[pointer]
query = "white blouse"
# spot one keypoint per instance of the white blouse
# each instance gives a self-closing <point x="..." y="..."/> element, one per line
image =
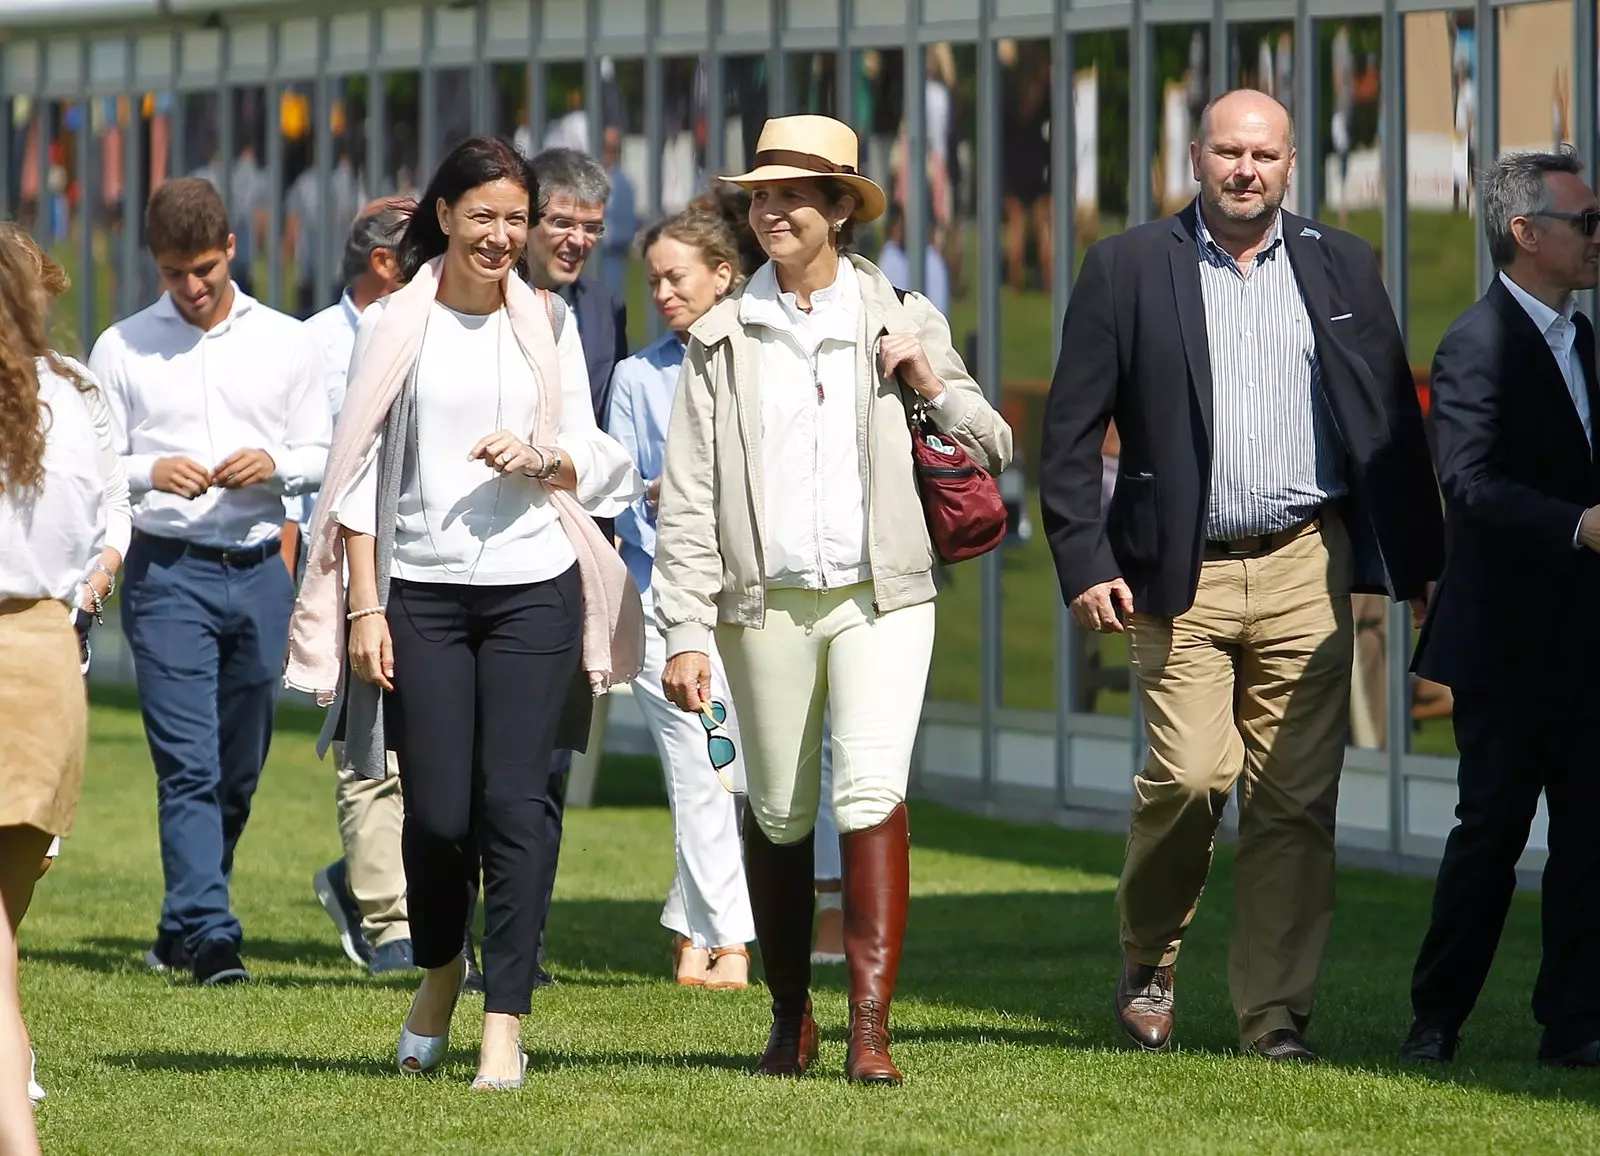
<point x="119" y="511"/>
<point x="48" y="540"/>
<point x="813" y="486"/>
<point x="458" y="520"/>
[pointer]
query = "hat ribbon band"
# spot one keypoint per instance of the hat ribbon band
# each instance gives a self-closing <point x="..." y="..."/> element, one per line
<point x="800" y="160"/>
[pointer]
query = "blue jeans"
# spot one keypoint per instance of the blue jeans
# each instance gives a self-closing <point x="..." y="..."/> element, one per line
<point x="208" y="639"/>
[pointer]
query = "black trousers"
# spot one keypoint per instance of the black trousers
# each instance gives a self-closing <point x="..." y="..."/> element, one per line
<point x="1512" y="747"/>
<point x="481" y="677"/>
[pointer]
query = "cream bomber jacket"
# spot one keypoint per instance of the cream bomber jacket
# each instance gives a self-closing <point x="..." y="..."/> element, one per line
<point x="710" y="566"/>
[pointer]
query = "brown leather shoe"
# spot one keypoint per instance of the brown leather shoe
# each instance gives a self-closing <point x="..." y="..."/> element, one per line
<point x="791" y="1045"/>
<point x="877" y="886"/>
<point x="1144" y="1004"/>
<point x="1285" y="1046"/>
<point x="779" y="876"/>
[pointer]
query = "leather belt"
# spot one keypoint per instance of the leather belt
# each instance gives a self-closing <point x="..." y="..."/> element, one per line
<point x="238" y="557"/>
<point x="1256" y="545"/>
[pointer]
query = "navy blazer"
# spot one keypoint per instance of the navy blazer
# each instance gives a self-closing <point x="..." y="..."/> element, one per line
<point x="603" y="327"/>
<point x="1134" y="348"/>
<point x="1517" y="472"/>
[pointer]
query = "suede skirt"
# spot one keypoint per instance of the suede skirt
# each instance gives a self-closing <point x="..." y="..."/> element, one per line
<point x="44" y="716"/>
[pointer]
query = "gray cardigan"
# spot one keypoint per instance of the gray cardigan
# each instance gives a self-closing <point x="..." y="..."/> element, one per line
<point x="356" y="714"/>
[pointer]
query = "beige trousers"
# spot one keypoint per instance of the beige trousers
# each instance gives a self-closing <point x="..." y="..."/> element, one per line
<point x="371" y="815"/>
<point x="1253" y="680"/>
<point x="870" y="670"/>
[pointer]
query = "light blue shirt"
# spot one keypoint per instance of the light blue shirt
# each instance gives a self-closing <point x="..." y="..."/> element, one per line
<point x="895" y="264"/>
<point x="642" y="388"/>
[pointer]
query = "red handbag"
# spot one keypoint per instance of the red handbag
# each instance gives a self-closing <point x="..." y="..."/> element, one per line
<point x="966" y="516"/>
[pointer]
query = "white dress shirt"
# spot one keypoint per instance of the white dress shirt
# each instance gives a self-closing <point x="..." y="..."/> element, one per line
<point x="252" y="382"/>
<point x="48" y="539"/>
<point x="1561" y="335"/>
<point x="459" y="521"/>
<point x="813" y="486"/>
<point x="333" y="332"/>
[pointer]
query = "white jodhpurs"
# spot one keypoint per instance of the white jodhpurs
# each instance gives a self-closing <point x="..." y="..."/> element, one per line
<point x="828" y="650"/>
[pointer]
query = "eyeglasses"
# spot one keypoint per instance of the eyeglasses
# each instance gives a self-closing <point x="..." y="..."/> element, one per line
<point x="714" y="716"/>
<point x="592" y="229"/>
<point x="1587" y="221"/>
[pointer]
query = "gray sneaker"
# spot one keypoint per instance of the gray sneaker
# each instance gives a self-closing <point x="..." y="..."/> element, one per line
<point x="332" y="887"/>
<point x="391" y="957"/>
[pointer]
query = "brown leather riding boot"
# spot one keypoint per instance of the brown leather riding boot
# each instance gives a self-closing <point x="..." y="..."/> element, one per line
<point x="877" y="885"/>
<point x="779" y="877"/>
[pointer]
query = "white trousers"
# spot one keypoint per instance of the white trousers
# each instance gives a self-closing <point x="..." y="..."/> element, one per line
<point x="708" y="902"/>
<point x="828" y="650"/>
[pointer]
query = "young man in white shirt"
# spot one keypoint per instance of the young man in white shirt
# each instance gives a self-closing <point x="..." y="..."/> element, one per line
<point x="364" y="893"/>
<point x="219" y="413"/>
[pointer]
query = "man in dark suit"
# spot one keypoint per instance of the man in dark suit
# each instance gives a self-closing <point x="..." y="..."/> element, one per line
<point x="1515" y="627"/>
<point x="1272" y="461"/>
<point x="573" y="190"/>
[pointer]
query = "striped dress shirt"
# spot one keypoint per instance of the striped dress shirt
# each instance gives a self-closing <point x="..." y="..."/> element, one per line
<point x="1275" y="454"/>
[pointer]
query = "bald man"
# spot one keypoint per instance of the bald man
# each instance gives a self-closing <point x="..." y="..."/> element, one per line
<point x="1273" y="461"/>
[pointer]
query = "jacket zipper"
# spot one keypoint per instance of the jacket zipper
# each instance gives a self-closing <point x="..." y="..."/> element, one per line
<point x="816" y="465"/>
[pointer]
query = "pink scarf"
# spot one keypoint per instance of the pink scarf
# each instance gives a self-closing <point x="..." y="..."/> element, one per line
<point x="613" y="619"/>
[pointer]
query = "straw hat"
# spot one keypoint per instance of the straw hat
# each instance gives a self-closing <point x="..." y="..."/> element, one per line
<point x="793" y="147"/>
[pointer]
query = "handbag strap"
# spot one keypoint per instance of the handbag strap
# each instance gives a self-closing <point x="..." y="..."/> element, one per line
<point x="916" y="408"/>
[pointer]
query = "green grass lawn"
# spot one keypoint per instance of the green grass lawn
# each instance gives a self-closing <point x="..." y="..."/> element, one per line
<point x="1004" y="1029"/>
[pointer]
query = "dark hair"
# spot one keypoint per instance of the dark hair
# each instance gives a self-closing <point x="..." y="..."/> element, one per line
<point x="476" y="161"/>
<point x="186" y="216"/>
<point x="835" y="190"/>
<point x="1514" y="186"/>
<point x="379" y="229"/>
<point x="732" y="204"/>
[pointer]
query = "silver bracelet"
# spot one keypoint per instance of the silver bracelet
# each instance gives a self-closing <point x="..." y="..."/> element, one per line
<point x="555" y="467"/>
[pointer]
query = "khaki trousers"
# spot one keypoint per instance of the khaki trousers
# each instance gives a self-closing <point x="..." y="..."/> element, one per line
<point x="1254" y="679"/>
<point x="371" y="815"/>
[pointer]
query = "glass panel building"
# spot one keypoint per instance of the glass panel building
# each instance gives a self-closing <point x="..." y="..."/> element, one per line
<point x="1010" y="134"/>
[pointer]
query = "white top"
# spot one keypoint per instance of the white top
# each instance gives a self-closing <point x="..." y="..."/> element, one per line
<point x="119" y="515"/>
<point x="251" y="382"/>
<point x="813" y="482"/>
<point x="333" y="332"/>
<point x="458" y="520"/>
<point x="48" y="540"/>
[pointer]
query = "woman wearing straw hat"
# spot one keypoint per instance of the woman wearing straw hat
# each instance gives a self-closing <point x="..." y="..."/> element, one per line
<point x="790" y="526"/>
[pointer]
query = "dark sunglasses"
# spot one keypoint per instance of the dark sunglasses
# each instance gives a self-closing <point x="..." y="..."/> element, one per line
<point x="720" y="747"/>
<point x="1588" y="221"/>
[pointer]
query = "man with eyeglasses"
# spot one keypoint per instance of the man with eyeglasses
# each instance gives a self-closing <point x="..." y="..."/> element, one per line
<point x="1515" y="623"/>
<point x="364" y="893"/>
<point x="573" y="191"/>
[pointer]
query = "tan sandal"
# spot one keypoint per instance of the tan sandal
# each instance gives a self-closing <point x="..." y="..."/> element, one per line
<point x="691" y="965"/>
<point x="730" y="969"/>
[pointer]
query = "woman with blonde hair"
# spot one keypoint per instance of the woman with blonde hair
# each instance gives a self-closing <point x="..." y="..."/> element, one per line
<point x="692" y="262"/>
<point x="791" y="528"/>
<point x="50" y="281"/>
<point x="52" y="520"/>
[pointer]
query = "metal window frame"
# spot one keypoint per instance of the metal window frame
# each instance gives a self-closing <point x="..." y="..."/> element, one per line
<point x="655" y="44"/>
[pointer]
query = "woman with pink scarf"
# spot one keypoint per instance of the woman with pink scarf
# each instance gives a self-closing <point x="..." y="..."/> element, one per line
<point x="482" y="606"/>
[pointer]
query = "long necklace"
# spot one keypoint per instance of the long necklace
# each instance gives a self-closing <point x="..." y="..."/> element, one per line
<point x="499" y="423"/>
